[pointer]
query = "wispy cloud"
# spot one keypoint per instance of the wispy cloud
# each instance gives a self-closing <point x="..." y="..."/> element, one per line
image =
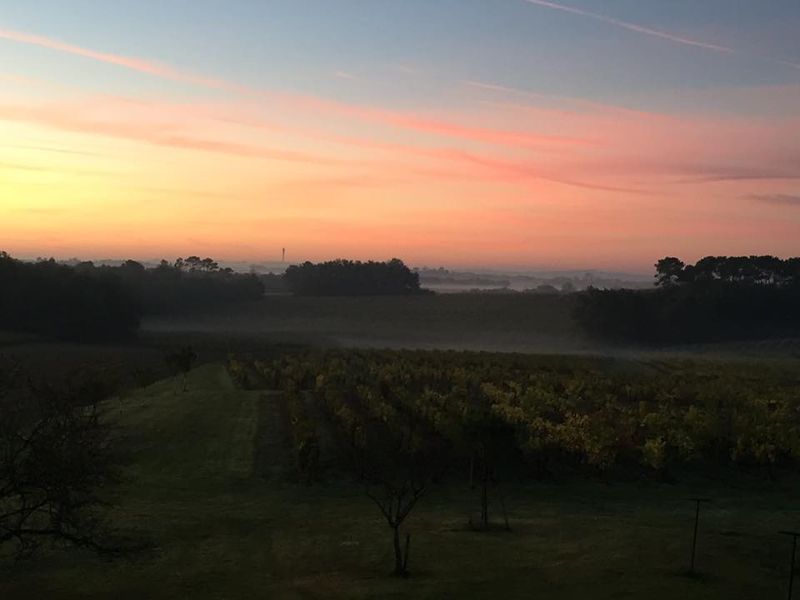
<point x="664" y="35"/>
<point x="788" y="63"/>
<point x="52" y="150"/>
<point x="632" y="26"/>
<point x="399" y="120"/>
<point x="542" y="97"/>
<point x="344" y="75"/>
<point x="787" y="200"/>
<point x="21" y="167"/>
<point x="135" y="64"/>
<point x="16" y="166"/>
<point x="405" y="69"/>
<point x="64" y="120"/>
<point x="711" y="174"/>
<point x="455" y="165"/>
<point x="17" y="79"/>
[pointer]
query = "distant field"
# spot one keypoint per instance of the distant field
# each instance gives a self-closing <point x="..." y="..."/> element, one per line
<point x="525" y="323"/>
<point x="460" y="321"/>
<point x="209" y="486"/>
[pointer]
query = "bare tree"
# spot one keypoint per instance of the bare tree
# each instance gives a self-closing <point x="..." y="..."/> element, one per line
<point x="54" y="457"/>
<point x="490" y="442"/>
<point x="182" y="361"/>
<point x="398" y="461"/>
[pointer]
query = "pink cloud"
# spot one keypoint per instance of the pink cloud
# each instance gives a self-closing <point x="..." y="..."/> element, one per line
<point x="639" y="153"/>
<point x="67" y="120"/>
<point x="433" y="126"/>
<point x="400" y="120"/>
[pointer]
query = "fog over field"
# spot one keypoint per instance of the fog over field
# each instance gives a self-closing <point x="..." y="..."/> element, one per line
<point x="488" y="322"/>
<point x="512" y="323"/>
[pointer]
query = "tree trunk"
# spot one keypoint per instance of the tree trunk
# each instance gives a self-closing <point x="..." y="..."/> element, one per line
<point x="485" y="499"/>
<point x="399" y="568"/>
<point x="472" y="471"/>
<point x="505" y="514"/>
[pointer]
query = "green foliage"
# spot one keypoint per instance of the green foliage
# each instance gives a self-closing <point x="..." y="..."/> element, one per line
<point x="569" y="411"/>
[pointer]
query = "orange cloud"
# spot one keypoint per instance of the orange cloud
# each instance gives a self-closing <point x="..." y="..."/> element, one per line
<point x="69" y="121"/>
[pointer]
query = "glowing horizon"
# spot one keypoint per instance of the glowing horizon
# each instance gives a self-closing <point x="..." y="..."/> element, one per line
<point x="120" y="142"/>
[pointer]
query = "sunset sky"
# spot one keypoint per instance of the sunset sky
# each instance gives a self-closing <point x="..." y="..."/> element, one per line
<point x="494" y="133"/>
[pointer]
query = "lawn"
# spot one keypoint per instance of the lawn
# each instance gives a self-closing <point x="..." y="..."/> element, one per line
<point x="209" y="485"/>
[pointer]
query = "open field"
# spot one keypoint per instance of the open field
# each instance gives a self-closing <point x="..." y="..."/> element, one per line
<point x="480" y="322"/>
<point x="209" y="486"/>
<point x="491" y="322"/>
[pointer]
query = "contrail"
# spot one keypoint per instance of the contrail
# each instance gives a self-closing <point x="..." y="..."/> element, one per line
<point x="632" y="26"/>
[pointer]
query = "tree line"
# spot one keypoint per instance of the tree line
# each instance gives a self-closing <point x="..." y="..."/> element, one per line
<point x="352" y="278"/>
<point x="186" y="284"/>
<point x="88" y="302"/>
<point x="742" y="270"/>
<point x="54" y="300"/>
<point x="718" y="298"/>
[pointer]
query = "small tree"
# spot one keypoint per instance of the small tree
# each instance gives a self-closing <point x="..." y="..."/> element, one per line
<point x="182" y="361"/>
<point x="398" y="461"/>
<point x="490" y="441"/>
<point x="54" y="456"/>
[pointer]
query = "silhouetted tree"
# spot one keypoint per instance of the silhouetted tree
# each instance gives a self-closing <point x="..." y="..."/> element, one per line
<point x="717" y="298"/>
<point x="668" y="270"/>
<point x="82" y="303"/>
<point x="398" y="462"/>
<point x="182" y="361"/>
<point x="491" y="442"/>
<point x="54" y="457"/>
<point x="346" y="278"/>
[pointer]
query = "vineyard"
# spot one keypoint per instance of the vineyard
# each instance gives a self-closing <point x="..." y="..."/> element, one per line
<point x="554" y="412"/>
<point x="286" y="473"/>
<point x="402" y="421"/>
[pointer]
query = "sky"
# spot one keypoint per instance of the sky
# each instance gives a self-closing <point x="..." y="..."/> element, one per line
<point x="480" y="133"/>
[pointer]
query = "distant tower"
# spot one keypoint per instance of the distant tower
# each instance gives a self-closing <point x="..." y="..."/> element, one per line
<point x="283" y="254"/>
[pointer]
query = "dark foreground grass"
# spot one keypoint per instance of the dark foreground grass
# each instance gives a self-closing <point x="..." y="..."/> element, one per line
<point x="218" y="529"/>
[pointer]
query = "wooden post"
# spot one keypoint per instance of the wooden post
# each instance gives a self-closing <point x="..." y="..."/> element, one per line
<point x="794" y="535"/>
<point x="698" y="502"/>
